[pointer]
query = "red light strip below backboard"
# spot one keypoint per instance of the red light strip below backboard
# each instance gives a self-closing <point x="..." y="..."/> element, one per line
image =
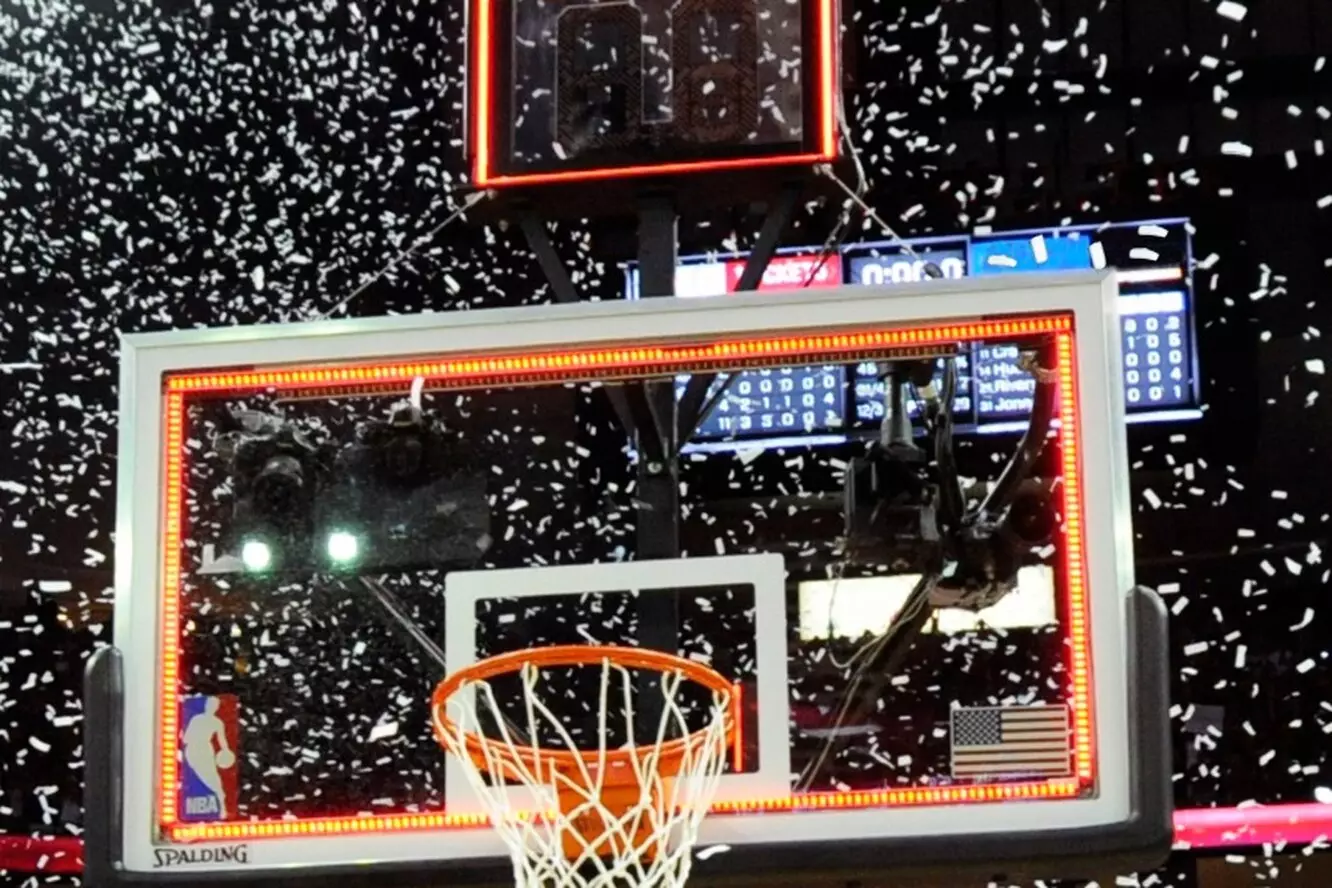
<point x="513" y="369"/>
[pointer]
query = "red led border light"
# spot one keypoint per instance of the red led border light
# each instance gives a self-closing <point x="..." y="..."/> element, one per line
<point x="633" y="360"/>
<point x="173" y="514"/>
<point x="483" y="123"/>
<point x="333" y="826"/>
<point x="1075" y="561"/>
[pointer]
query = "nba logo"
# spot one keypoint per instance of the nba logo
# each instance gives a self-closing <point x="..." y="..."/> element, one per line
<point x="208" y="741"/>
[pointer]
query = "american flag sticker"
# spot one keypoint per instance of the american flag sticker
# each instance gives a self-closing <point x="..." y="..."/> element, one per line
<point x="995" y="741"/>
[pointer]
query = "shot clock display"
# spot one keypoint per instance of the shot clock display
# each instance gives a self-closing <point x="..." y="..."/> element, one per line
<point x="1151" y="261"/>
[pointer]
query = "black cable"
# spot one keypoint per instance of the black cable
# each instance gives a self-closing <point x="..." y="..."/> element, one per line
<point x="831" y="247"/>
<point x="397" y="612"/>
<point x="876" y="668"/>
<point x="713" y="400"/>
<point x="878" y="665"/>
<point x="951" y="503"/>
<point x="883" y="660"/>
<point x="1028" y="450"/>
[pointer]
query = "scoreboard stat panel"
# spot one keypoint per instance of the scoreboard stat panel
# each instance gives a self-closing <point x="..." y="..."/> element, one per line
<point x="1152" y="266"/>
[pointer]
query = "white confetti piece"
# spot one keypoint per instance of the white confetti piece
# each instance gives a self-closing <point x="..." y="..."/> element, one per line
<point x="383" y="731"/>
<point x="1039" y="251"/>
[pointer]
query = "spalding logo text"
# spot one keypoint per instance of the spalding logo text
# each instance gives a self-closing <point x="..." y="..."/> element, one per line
<point x="170" y="857"/>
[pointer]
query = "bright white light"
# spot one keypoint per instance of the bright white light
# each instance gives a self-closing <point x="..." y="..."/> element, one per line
<point x="852" y="608"/>
<point x="256" y="555"/>
<point x="343" y="546"/>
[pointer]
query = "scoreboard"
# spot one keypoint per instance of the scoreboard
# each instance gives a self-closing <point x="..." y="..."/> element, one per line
<point x="1151" y="261"/>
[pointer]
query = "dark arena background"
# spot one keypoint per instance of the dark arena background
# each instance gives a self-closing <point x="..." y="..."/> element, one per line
<point x="177" y="164"/>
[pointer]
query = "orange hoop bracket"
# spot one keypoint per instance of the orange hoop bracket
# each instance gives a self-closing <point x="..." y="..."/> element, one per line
<point x="669" y="754"/>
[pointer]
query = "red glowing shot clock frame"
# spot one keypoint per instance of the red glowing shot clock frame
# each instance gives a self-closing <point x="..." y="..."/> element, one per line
<point x="563" y="92"/>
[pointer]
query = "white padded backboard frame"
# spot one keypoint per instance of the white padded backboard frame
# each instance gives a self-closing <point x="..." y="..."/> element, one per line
<point x="464" y="590"/>
<point x="146" y="358"/>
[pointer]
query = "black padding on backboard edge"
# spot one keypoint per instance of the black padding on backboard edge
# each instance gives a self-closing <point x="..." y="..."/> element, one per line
<point x="1139" y="844"/>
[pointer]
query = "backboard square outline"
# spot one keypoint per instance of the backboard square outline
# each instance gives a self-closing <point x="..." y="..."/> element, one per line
<point x="479" y="370"/>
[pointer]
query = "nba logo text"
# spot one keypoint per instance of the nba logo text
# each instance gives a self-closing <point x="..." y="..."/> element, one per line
<point x="210" y="732"/>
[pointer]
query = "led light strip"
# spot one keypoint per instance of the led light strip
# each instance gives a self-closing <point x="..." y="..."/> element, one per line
<point x="638" y="360"/>
<point x="674" y="358"/>
<point x="482" y="91"/>
<point x="827" y="86"/>
<point x="1075" y="576"/>
<point x="169" y="657"/>
<point x="327" y="826"/>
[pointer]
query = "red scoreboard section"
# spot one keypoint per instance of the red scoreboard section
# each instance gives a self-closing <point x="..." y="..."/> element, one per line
<point x="790" y="272"/>
<point x="794" y="272"/>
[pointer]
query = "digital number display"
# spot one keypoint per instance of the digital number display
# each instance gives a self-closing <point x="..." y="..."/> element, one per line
<point x="1151" y="263"/>
<point x="1157" y="350"/>
<point x="790" y="401"/>
<point x="785" y="401"/>
<point x="899" y="268"/>
<point x="870" y="392"/>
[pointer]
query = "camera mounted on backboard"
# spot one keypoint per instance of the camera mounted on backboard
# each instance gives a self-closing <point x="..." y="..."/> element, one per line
<point x="411" y="489"/>
<point x="905" y="506"/>
<point x="276" y="470"/>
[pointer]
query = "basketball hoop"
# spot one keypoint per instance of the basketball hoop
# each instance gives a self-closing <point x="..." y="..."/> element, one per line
<point x="601" y="817"/>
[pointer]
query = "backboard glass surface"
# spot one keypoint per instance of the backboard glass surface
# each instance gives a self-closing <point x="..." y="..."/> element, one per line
<point x="564" y="90"/>
<point x="471" y="475"/>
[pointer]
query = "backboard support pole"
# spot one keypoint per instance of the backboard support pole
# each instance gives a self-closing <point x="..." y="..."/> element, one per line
<point x="658" y="477"/>
<point x="563" y="289"/>
<point x="103" y="785"/>
<point x="695" y="402"/>
<point x="650" y="413"/>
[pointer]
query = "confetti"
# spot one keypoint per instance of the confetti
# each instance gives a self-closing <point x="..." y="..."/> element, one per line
<point x="166" y="169"/>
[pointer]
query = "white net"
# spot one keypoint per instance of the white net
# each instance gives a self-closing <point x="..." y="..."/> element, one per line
<point x="599" y="817"/>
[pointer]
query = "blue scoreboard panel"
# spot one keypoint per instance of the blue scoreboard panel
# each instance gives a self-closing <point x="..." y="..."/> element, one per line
<point x="1152" y="263"/>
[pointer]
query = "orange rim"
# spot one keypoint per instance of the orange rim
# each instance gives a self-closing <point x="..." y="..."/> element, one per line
<point x="669" y="754"/>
